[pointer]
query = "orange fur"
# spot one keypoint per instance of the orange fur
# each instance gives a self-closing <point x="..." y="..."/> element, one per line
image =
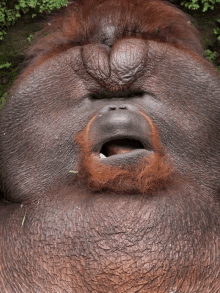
<point x="146" y="19"/>
<point x="153" y="173"/>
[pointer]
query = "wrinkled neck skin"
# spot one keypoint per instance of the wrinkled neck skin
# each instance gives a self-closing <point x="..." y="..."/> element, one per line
<point x="94" y="242"/>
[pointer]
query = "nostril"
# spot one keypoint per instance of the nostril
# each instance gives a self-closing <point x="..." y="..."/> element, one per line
<point x="122" y="107"/>
<point x="106" y="109"/>
<point x="112" y="107"/>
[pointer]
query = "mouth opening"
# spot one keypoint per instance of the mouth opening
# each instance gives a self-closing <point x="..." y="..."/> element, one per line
<point x="120" y="146"/>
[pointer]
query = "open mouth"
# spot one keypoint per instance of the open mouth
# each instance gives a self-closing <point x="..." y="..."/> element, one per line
<point x="120" y="147"/>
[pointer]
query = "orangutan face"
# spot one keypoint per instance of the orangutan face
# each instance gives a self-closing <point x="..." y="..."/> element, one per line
<point x="109" y="151"/>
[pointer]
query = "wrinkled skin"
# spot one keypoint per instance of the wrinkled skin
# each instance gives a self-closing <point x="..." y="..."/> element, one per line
<point x="106" y="228"/>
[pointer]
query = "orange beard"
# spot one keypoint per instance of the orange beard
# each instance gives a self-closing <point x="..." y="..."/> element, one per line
<point x="147" y="176"/>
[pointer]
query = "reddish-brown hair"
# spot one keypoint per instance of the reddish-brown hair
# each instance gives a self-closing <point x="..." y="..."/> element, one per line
<point x="152" y="173"/>
<point x="80" y="22"/>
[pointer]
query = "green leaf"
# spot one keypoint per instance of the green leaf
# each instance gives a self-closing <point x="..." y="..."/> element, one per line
<point x="73" y="172"/>
<point x="6" y="65"/>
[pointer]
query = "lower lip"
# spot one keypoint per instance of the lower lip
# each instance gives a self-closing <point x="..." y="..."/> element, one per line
<point x="129" y="159"/>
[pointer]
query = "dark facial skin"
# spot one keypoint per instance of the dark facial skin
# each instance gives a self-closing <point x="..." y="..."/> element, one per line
<point x="110" y="157"/>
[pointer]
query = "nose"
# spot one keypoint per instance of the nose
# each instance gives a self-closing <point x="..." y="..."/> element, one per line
<point x="108" y="108"/>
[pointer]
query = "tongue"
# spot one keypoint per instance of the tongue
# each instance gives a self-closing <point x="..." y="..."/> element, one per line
<point x="116" y="150"/>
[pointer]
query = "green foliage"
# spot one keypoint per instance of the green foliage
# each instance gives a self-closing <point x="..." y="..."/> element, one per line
<point x="211" y="55"/>
<point x="11" y="11"/>
<point x="217" y="31"/>
<point x="203" y="4"/>
<point x="46" y="5"/>
<point x="204" y="8"/>
<point x="5" y="65"/>
<point x="30" y="37"/>
<point x="3" y="99"/>
<point x="9" y="68"/>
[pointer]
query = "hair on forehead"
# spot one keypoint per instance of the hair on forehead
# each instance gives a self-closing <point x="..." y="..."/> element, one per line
<point x="106" y="21"/>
